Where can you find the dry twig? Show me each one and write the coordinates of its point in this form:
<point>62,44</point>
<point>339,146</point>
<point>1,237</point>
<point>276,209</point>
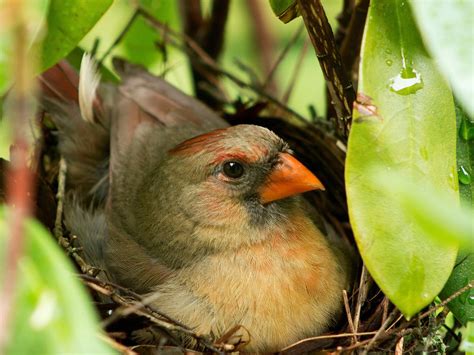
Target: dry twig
<point>339,86</point>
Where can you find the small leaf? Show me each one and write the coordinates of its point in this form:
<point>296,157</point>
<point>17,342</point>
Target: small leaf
<point>286,10</point>
<point>68,22</point>
<point>404,122</point>
<point>52,313</point>
<point>446,29</point>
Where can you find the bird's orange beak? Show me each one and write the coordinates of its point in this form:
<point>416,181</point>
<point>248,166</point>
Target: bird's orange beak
<point>288,178</point>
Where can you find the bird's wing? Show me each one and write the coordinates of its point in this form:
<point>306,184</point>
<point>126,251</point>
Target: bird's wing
<point>143,98</point>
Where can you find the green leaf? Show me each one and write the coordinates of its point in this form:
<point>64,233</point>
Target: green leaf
<point>434,212</point>
<point>68,22</point>
<point>286,10</point>
<point>52,313</point>
<point>465,157</point>
<point>446,27</point>
<point>463,306</point>
<point>36,14</point>
<point>404,122</point>
<point>463,272</point>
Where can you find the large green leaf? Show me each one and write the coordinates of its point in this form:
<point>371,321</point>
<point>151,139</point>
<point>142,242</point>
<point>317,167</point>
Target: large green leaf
<point>446,27</point>
<point>404,122</point>
<point>68,22</point>
<point>52,313</point>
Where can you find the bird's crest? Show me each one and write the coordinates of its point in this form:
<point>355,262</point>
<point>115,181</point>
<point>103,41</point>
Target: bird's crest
<point>200,143</point>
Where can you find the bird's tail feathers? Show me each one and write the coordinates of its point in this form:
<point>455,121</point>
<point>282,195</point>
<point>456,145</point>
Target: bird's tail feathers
<point>84,132</point>
<point>90,228</point>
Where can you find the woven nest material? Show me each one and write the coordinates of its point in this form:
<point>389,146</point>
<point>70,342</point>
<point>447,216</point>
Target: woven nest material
<point>370,322</point>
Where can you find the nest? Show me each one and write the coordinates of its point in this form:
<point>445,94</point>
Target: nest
<point>370,321</point>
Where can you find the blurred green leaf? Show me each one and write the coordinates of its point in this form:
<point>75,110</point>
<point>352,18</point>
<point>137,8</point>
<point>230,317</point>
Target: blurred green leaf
<point>467,344</point>
<point>434,212</point>
<point>404,121</point>
<point>36,14</point>
<point>439,217</point>
<point>68,22</point>
<point>446,27</point>
<point>52,313</point>
<point>286,10</point>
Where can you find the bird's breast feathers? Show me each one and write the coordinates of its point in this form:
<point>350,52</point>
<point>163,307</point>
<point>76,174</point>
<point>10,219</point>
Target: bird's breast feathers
<point>280,289</point>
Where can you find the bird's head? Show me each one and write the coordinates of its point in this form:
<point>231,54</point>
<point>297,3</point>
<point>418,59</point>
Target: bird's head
<point>238,173</point>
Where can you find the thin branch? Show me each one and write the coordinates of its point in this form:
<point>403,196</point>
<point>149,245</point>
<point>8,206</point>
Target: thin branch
<point>339,86</point>
<point>343,20</point>
<point>208,62</point>
<point>404,329</point>
<point>58,225</point>
<point>350,47</point>
<point>381,330</point>
<point>125,350</point>
<point>325,337</point>
<point>361,297</point>
<point>209,36</point>
<point>264,41</point>
<point>138,307</point>
<point>295,74</point>
<point>282,56</point>
<point>446,301</point>
<point>349,315</point>
<point>399,347</point>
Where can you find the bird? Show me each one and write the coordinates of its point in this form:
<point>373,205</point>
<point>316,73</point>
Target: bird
<point>209,219</point>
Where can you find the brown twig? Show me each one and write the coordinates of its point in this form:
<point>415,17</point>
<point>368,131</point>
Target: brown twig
<point>58,225</point>
<point>264,41</point>
<point>324,337</point>
<point>349,315</point>
<point>141,306</point>
<point>381,330</point>
<point>212,65</point>
<point>116,345</point>
<point>350,46</point>
<point>343,20</point>
<point>20,187</point>
<point>361,297</point>
<point>382,334</point>
<point>339,86</point>
<point>446,301</point>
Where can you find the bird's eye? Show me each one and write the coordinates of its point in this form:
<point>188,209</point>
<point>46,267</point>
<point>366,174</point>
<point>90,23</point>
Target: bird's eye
<point>233,169</point>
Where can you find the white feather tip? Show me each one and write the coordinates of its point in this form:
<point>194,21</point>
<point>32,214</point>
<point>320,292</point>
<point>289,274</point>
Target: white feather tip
<point>89,79</point>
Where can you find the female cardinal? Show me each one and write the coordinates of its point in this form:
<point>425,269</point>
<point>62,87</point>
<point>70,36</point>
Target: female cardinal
<point>206,217</point>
